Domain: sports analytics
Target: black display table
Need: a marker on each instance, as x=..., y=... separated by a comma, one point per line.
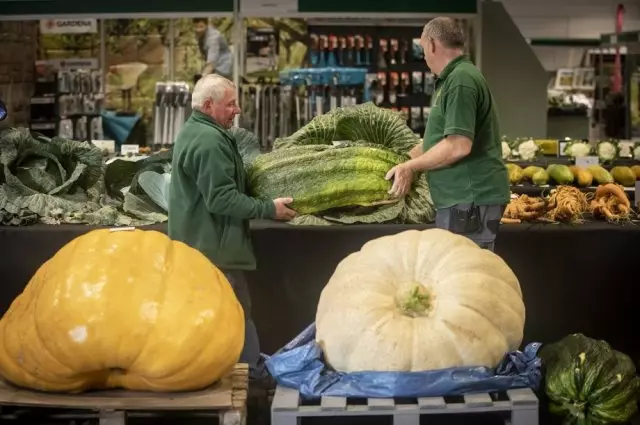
x=574, y=278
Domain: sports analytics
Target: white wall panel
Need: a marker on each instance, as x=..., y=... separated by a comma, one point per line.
x=570, y=18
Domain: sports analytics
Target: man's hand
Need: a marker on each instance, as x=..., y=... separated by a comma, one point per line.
x=282, y=211
x=402, y=176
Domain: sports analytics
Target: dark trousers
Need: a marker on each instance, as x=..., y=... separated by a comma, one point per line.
x=251, y=351
x=489, y=222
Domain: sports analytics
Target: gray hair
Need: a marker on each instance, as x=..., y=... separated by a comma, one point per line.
x=445, y=30
x=211, y=86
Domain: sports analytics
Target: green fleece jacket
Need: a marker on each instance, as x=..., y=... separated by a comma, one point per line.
x=209, y=208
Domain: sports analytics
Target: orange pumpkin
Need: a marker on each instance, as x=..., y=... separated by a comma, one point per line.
x=122, y=309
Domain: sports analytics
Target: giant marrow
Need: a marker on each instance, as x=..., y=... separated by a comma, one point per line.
x=321, y=177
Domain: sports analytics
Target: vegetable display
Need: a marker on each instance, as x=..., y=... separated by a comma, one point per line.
x=581, y=176
x=64, y=181
x=335, y=168
x=611, y=203
x=568, y=204
x=122, y=309
x=524, y=208
x=588, y=382
x=320, y=177
x=419, y=300
x=560, y=174
x=607, y=150
x=366, y=122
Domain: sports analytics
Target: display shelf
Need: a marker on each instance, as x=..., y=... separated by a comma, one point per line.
x=67, y=102
x=549, y=160
x=397, y=76
x=533, y=190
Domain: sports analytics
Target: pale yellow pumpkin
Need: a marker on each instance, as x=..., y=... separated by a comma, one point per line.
x=122, y=309
x=419, y=300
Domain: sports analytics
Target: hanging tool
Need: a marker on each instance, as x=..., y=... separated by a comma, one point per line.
x=382, y=54
x=359, y=49
x=324, y=45
x=368, y=53
x=172, y=103
x=314, y=50
x=393, y=51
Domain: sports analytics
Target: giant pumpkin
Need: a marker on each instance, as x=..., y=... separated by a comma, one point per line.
x=419, y=300
x=122, y=309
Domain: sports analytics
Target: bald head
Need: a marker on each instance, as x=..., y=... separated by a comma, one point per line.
x=447, y=31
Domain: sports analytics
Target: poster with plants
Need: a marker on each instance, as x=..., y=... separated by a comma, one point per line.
x=138, y=54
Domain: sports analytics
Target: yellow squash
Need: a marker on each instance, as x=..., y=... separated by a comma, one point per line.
x=122, y=309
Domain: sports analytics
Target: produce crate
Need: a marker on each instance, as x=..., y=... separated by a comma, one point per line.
x=226, y=400
x=520, y=407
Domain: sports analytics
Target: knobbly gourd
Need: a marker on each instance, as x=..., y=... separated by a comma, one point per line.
x=122, y=309
x=419, y=300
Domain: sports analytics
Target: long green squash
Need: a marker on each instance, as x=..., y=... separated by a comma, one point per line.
x=321, y=177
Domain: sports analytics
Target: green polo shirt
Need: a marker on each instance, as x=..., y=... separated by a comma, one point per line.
x=463, y=105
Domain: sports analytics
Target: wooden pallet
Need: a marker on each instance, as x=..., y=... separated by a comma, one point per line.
x=227, y=399
x=520, y=406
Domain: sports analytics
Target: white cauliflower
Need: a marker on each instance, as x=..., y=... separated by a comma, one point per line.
x=607, y=151
x=506, y=150
x=527, y=150
x=578, y=149
x=625, y=150
x=636, y=153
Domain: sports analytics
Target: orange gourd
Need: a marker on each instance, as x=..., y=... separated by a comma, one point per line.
x=122, y=309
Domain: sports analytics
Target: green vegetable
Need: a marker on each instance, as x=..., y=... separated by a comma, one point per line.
x=600, y=175
x=624, y=176
x=365, y=122
x=515, y=173
x=588, y=382
x=341, y=184
x=247, y=143
x=319, y=180
x=540, y=178
x=142, y=186
x=561, y=174
x=49, y=180
x=530, y=171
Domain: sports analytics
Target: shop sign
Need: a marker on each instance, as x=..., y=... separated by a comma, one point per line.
x=68, y=26
x=268, y=7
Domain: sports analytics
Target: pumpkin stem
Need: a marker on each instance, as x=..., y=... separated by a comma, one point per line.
x=415, y=302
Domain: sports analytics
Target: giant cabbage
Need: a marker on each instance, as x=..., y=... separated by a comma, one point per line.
x=365, y=124
x=56, y=180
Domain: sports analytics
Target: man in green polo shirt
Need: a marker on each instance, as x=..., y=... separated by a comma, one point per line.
x=461, y=151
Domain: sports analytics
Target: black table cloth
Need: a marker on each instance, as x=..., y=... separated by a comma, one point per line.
x=574, y=278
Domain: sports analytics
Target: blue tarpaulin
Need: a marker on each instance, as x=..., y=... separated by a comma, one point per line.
x=300, y=365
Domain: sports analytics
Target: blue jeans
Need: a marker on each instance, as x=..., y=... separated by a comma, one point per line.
x=489, y=222
x=251, y=351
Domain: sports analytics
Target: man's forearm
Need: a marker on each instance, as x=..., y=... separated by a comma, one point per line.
x=208, y=69
x=416, y=151
x=444, y=153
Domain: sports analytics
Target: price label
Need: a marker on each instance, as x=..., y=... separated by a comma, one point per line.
x=130, y=149
x=105, y=145
x=586, y=161
x=561, y=146
x=122, y=229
